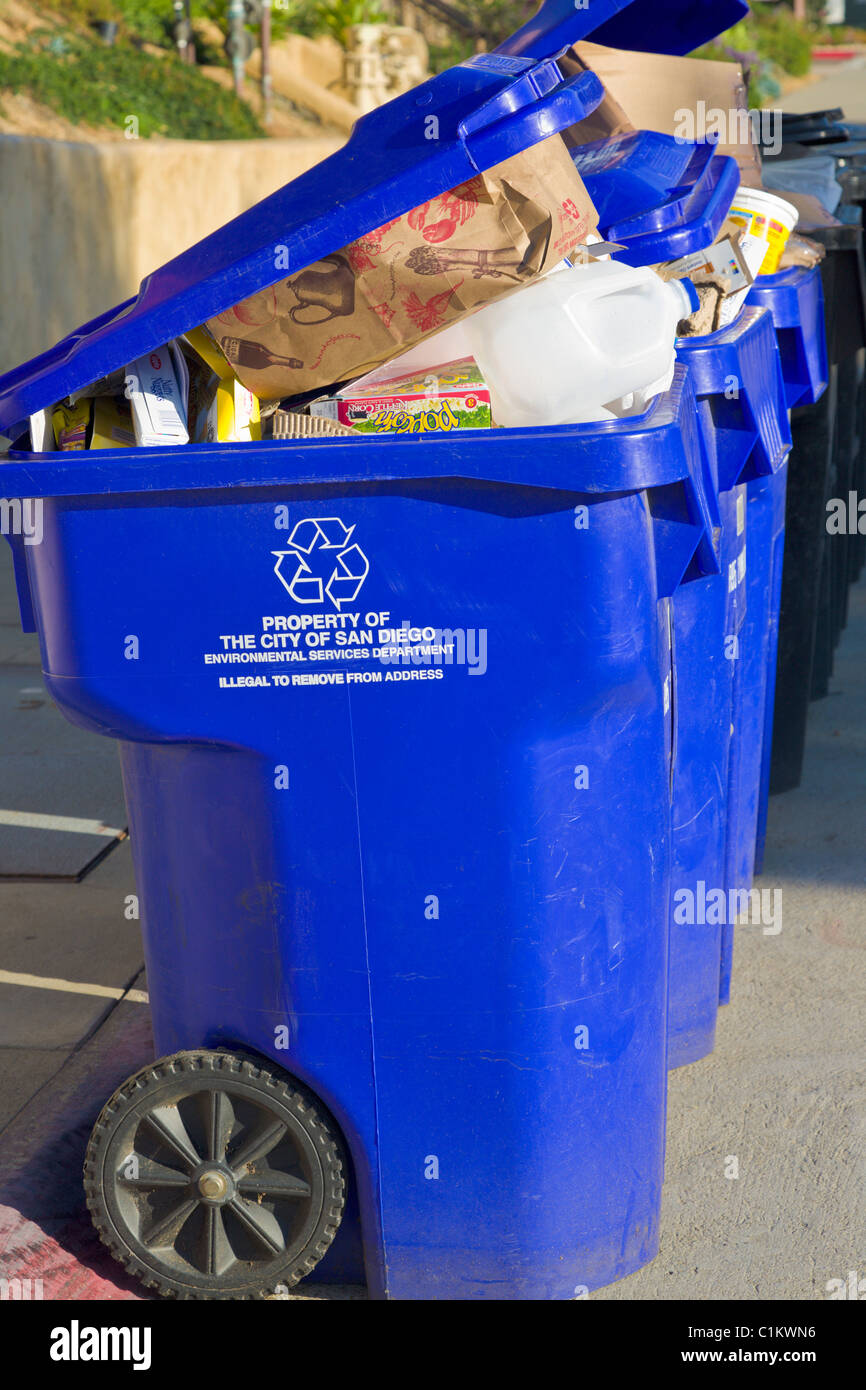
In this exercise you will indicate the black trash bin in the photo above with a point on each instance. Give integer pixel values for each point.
(828, 458)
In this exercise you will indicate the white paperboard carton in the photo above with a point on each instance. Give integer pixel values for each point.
(156, 388)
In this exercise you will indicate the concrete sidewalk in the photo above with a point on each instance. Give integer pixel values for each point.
(784, 1093)
(838, 83)
(782, 1101)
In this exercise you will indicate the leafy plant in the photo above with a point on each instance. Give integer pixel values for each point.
(768, 43)
(336, 17)
(287, 16)
(493, 20)
(91, 84)
(782, 40)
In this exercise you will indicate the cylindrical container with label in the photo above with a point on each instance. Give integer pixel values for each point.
(765, 216)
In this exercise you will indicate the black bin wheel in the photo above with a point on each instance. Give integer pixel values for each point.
(210, 1176)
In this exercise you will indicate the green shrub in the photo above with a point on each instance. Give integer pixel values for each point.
(287, 16)
(769, 42)
(91, 84)
(784, 41)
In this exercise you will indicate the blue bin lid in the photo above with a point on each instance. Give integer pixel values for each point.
(658, 196)
(633, 174)
(674, 26)
(486, 109)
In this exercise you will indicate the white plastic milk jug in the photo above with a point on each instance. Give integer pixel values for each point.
(579, 343)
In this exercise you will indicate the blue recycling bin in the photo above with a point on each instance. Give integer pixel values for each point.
(741, 396)
(435, 894)
(402, 848)
(671, 198)
(795, 300)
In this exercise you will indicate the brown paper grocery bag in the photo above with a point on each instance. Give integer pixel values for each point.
(358, 307)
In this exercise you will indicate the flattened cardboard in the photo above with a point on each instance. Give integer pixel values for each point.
(652, 91)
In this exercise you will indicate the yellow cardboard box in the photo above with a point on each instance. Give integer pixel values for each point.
(220, 408)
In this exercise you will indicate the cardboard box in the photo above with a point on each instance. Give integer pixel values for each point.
(156, 388)
(361, 306)
(220, 407)
(42, 439)
(812, 211)
(689, 97)
(723, 261)
(286, 424)
(112, 424)
(451, 396)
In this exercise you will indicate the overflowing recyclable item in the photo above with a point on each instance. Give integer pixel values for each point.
(42, 438)
(724, 260)
(111, 385)
(445, 397)
(220, 407)
(100, 422)
(801, 251)
(708, 317)
(112, 425)
(690, 98)
(723, 274)
(156, 388)
(356, 308)
(70, 424)
(589, 343)
(183, 391)
(290, 424)
(811, 212)
(766, 219)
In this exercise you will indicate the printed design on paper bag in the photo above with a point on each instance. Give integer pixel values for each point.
(243, 352)
(494, 264)
(322, 543)
(256, 312)
(364, 252)
(497, 263)
(451, 210)
(429, 313)
(385, 312)
(353, 310)
(323, 293)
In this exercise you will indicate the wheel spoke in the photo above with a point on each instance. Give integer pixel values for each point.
(221, 1119)
(166, 1123)
(219, 1255)
(273, 1185)
(258, 1145)
(260, 1223)
(146, 1174)
(167, 1230)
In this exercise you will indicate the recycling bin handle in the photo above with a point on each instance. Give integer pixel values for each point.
(489, 142)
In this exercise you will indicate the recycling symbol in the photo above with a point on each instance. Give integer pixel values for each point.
(319, 561)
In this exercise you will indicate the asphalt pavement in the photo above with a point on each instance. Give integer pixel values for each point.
(68, 951)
